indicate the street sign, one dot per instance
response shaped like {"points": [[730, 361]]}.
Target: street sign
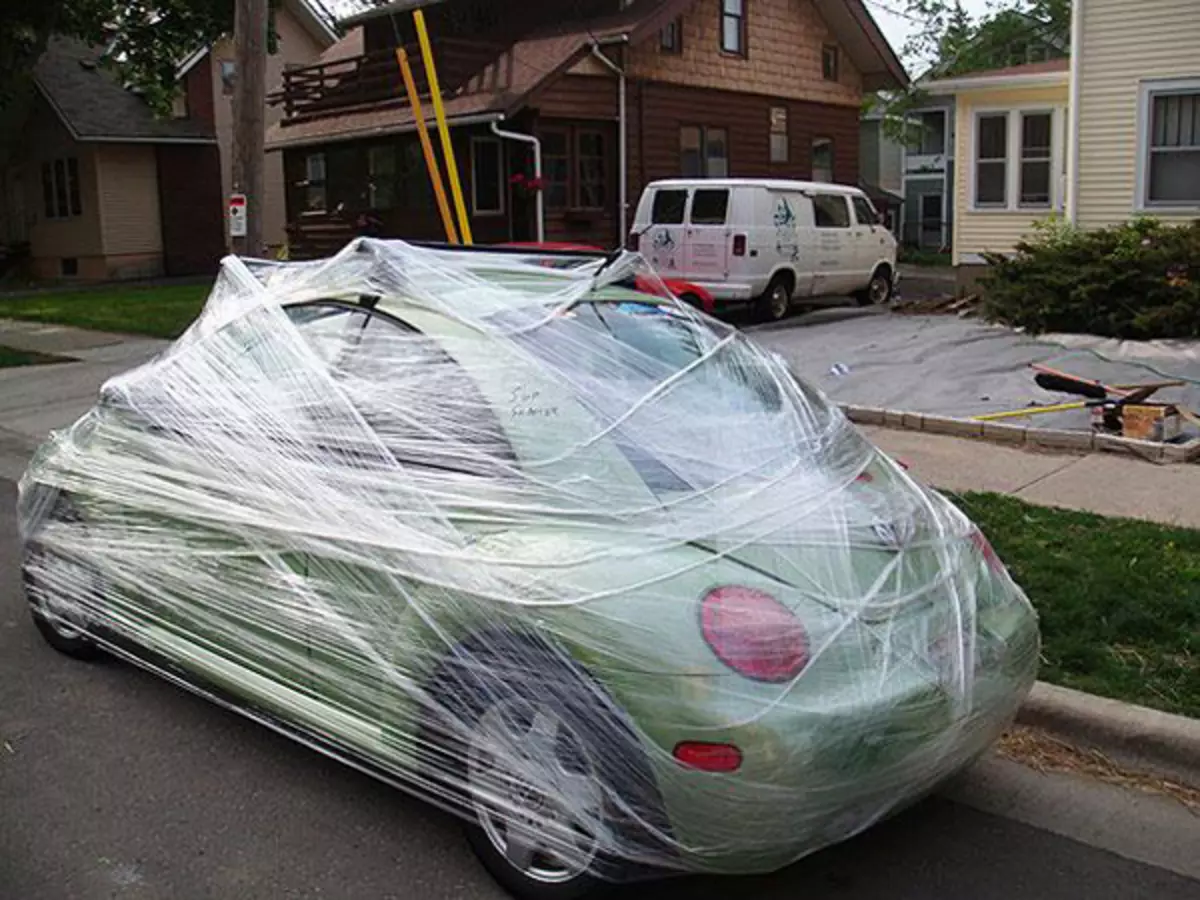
{"points": [[237, 215]]}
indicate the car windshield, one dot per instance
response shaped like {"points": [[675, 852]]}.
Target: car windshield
{"points": [[690, 406]]}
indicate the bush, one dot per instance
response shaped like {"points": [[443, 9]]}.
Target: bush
{"points": [[1139, 280]]}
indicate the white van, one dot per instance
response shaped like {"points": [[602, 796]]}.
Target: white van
{"points": [[766, 242]]}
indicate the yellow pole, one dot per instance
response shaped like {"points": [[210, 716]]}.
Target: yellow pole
{"points": [[439, 111], [1029, 411], [435, 174]]}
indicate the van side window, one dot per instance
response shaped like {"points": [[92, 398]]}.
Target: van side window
{"points": [[830, 211], [864, 212], [709, 207], [668, 207]]}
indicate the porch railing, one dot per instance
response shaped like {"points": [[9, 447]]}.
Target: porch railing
{"points": [[373, 79]]}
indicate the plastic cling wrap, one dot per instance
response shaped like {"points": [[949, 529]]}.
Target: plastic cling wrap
{"points": [[576, 561]]}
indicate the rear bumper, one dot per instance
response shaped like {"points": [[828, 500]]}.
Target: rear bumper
{"points": [[813, 777]]}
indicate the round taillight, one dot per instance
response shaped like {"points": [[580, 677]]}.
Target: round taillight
{"points": [[984, 546], [753, 633]]}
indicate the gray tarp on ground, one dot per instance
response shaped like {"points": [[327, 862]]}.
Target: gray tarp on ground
{"points": [[948, 366]]}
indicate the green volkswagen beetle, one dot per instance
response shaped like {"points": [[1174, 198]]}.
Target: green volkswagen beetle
{"points": [[574, 561]]}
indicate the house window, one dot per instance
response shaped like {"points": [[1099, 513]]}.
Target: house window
{"points": [[829, 62], [1171, 141], [60, 188], [779, 134], [733, 26], [928, 133], [381, 177], [822, 159], [703, 152], [670, 38], [1036, 129], [556, 169], [314, 183], [487, 177], [830, 211], [991, 160], [592, 169], [228, 69]]}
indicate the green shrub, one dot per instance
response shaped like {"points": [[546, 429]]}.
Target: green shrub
{"points": [[1139, 280]]}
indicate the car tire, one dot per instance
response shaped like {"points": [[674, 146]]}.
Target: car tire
{"points": [[878, 290], [54, 622], [541, 708], [692, 300], [776, 301]]}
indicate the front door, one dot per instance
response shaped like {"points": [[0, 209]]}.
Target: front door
{"points": [[835, 262], [706, 247], [931, 221]]}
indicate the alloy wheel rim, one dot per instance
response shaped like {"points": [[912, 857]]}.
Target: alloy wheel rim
{"points": [[534, 792]]}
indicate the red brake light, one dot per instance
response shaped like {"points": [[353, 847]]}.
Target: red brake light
{"points": [[754, 634], [739, 245], [984, 546], [709, 757]]}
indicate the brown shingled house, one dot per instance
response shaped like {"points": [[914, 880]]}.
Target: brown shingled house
{"points": [[644, 89]]}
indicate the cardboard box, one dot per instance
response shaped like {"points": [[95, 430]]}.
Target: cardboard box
{"points": [[1150, 421]]}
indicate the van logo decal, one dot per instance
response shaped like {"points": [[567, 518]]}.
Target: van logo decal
{"points": [[663, 241], [786, 242]]}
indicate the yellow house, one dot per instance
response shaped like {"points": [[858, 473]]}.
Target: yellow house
{"points": [[1135, 110], [1011, 152]]}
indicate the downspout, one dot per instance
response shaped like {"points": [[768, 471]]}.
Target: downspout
{"points": [[538, 200], [1073, 112], [622, 154]]}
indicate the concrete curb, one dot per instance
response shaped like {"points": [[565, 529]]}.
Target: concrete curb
{"points": [[1051, 439], [1143, 739]]}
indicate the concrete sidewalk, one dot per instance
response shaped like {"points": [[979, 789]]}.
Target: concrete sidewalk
{"points": [[1102, 483]]}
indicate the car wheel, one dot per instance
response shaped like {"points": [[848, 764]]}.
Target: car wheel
{"points": [[692, 300], [776, 300], [878, 291], [555, 788], [58, 621]]}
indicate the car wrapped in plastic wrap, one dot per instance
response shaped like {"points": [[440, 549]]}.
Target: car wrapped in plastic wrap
{"points": [[575, 561]]}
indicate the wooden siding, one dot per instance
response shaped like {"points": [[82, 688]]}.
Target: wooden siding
{"points": [[657, 112], [578, 97], [198, 91], [1125, 43], [997, 231], [785, 38]]}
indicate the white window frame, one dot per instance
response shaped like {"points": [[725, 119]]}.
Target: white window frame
{"points": [[1147, 91], [1019, 159], [475, 209], [1012, 196]]}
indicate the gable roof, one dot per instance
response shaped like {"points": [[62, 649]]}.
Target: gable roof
{"points": [[1049, 72], [312, 16], [94, 106]]}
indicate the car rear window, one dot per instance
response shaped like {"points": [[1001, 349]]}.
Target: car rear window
{"points": [[668, 207], [830, 211], [709, 207]]}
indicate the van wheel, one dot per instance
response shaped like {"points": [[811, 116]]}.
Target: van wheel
{"points": [[776, 300], [878, 291]]}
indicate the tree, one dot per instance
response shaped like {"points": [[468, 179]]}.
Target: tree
{"points": [[950, 42]]}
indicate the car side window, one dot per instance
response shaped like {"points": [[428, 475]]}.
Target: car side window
{"points": [[668, 207], [416, 398], [864, 212], [710, 206], [830, 211]]}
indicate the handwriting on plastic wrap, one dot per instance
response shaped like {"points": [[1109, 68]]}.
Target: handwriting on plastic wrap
{"points": [[528, 403]]}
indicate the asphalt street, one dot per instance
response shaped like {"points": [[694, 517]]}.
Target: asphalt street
{"points": [[117, 786]]}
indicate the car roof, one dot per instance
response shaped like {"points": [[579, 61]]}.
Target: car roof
{"points": [[771, 184]]}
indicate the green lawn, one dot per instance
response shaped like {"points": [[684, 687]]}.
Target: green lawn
{"points": [[156, 311], [1119, 600]]}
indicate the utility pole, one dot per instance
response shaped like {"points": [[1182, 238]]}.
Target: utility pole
{"points": [[249, 109]]}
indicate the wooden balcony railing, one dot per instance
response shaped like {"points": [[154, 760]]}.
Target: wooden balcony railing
{"points": [[373, 79]]}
